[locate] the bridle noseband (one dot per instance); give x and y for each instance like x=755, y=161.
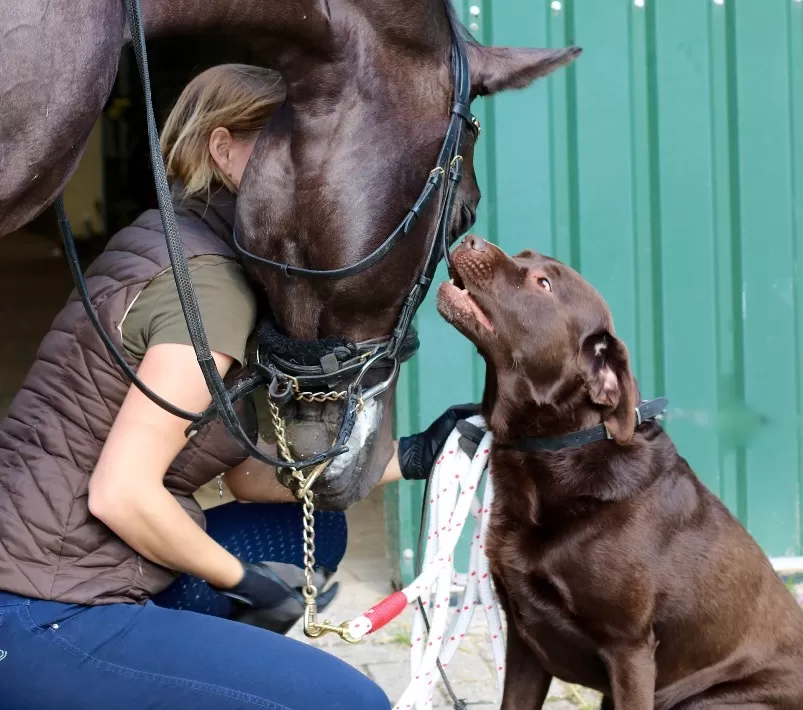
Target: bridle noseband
x=326, y=364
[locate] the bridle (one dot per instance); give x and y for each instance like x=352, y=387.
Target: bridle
x=338, y=361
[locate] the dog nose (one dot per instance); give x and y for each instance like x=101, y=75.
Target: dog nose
x=476, y=243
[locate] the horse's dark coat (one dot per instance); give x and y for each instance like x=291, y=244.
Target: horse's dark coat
x=369, y=90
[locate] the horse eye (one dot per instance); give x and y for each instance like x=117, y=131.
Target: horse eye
x=544, y=284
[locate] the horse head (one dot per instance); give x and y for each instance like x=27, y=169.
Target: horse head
x=337, y=169
x=370, y=99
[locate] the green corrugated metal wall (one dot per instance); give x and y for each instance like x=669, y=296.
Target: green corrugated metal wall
x=667, y=166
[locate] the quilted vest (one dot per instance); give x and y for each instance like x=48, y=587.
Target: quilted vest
x=51, y=547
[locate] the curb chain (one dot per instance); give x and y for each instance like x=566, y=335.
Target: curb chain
x=312, y=628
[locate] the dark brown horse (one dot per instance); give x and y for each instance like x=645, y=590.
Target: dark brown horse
x=369, y=92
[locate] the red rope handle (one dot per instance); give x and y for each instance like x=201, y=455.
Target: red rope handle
x=388, y=609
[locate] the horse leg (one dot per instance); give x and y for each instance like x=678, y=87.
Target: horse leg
x=58, y=61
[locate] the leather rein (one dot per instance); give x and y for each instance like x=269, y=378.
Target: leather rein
x=296, y=369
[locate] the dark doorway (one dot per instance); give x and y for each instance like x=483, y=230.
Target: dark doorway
x=128, y=181
x=34, y=276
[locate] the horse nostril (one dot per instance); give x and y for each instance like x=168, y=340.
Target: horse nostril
x=476, y=243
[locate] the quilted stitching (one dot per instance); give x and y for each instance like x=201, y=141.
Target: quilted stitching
x=50, y=545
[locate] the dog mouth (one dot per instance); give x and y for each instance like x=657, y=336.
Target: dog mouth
x=457, y=305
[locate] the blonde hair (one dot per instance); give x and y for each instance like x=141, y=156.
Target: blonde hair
x=238, y=97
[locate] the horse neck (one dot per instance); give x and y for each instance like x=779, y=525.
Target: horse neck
x=418, y=23
x=278, y=30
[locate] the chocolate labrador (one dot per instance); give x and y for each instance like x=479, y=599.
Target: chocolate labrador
x=617, y=569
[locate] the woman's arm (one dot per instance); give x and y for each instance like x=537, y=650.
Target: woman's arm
x=413, y=458
x=126, y=490
x=255, y=482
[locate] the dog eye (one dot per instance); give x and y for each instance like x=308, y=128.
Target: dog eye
x=544, y=284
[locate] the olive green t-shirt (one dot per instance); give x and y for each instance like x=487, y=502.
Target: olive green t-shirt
x=225, y=298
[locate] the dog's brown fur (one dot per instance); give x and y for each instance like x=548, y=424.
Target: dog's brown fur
x=617, y=569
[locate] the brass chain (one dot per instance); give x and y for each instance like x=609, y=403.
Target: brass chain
x=310, y=591
x=312, y=628
x=320, y=397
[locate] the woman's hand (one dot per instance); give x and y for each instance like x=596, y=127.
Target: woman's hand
x=277, y=588
x=126, y=490
x=417, y=453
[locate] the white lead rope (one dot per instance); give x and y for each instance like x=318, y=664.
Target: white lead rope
x=454, y=493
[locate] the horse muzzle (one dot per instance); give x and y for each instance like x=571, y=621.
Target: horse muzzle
x=352, y=475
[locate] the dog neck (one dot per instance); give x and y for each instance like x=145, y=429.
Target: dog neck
x=571, y=480
x=515, y=410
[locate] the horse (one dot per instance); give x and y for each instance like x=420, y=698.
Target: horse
x=369, y=96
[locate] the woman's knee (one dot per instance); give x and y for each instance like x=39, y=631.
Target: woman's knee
x=262, y=532
x=356, y=690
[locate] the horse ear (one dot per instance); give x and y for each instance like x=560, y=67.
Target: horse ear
x=605, y=366
x=495, y=69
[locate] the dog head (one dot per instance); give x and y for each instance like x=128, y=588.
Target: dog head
x=548, y=339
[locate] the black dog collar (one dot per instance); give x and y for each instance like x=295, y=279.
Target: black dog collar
x=648, y=409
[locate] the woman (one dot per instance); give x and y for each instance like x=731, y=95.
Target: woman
x=104, y=555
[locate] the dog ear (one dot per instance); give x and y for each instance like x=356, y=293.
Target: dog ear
x=605, y=365
x=495, y=69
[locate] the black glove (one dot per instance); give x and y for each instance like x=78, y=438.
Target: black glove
x=417, y=453
x=274, y=588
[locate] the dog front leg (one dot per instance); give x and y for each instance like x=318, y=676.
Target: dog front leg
x=526, y=681
x=631, y=671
